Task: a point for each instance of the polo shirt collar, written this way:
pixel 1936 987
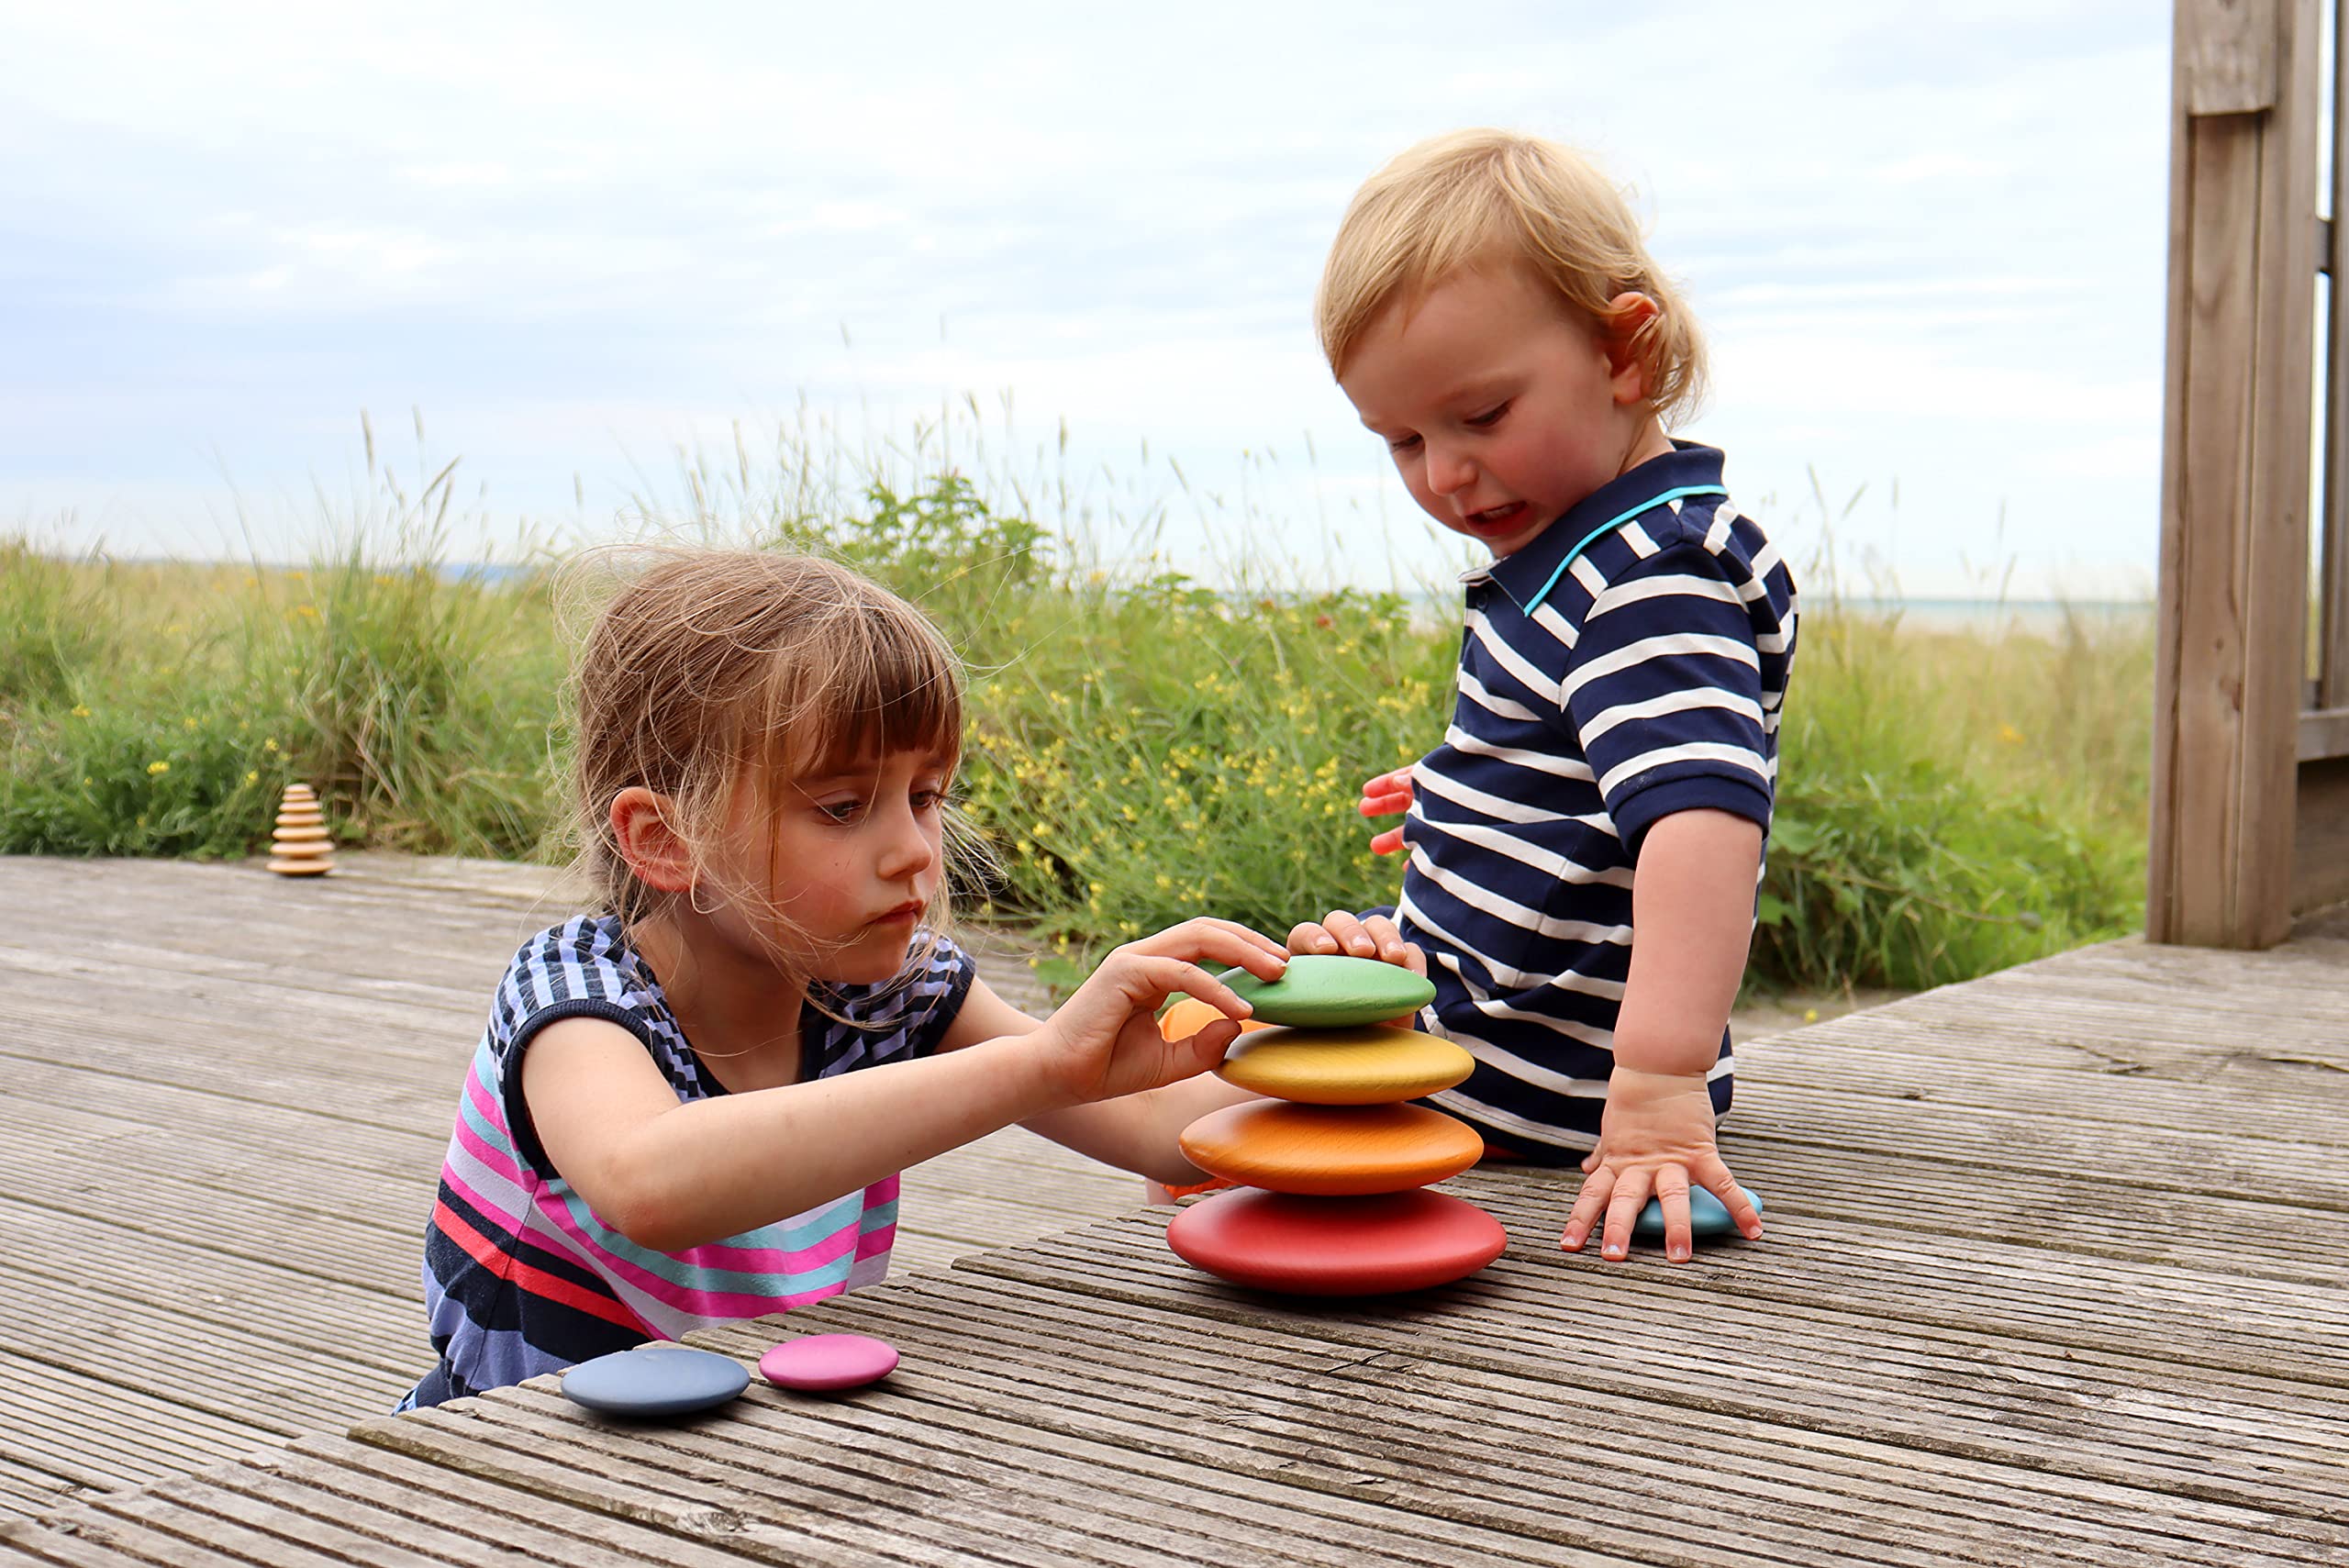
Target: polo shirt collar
pixel 1525 573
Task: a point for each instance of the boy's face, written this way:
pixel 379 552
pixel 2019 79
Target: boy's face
pixel 1501 409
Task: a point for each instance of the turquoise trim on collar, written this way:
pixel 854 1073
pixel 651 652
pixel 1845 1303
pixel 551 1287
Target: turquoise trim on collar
pixel 1608 527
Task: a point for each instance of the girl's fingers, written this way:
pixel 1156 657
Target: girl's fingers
pixel 1227 941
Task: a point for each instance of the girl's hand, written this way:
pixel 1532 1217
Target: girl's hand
pixel 1654 1138
pixel 1339 932
pixel 1103 1040
pixel 1383 796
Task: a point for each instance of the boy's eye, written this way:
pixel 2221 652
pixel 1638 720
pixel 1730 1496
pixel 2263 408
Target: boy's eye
pixel 1487 419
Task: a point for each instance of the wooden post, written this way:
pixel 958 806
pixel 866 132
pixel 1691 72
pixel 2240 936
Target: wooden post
pixel 2235 470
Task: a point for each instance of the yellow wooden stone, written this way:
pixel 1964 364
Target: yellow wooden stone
pixel 299 851
pixel 1330 1151
pixel 1361 1064
pixel 299 836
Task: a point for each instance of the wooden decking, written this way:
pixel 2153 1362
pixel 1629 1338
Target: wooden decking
pixel 2055 1274
pixel 227 1097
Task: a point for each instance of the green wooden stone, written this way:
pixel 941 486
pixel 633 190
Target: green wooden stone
pixel 1322 991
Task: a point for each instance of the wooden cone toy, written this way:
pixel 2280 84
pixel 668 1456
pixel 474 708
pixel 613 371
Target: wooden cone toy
pixel 1336 1165
pixel 300 845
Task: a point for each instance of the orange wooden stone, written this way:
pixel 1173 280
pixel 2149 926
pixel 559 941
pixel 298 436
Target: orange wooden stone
pixel 1330 1150
pixel 1188 1016
pixel 1342 1246
pixel 1362 1064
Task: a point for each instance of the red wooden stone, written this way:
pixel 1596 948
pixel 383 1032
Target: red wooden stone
pixel 1336 1246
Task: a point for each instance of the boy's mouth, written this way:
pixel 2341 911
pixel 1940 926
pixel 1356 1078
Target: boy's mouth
pixel 1496 519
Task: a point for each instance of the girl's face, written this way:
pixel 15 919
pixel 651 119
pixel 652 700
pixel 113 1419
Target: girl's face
pixel 838 867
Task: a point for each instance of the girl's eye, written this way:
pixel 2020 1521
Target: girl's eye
pixel 1486 421
pixel 1402 443
pixel 841 810
pixel 935 799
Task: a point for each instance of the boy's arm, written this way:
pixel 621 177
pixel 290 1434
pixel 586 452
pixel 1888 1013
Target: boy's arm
pixel 1692 902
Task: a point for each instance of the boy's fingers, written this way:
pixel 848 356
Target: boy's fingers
pixel 1391 948
pixel 1387 843
pixel 1354 939
pixel 1308 937
pixel 1714 1175
pixel 1623 1205
pixel 1589 1204
pixel 1671 1192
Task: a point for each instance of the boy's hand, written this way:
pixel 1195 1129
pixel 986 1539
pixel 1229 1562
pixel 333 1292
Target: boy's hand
pixel 1103 1042
pixel 1383 796
pixel 1656 1138
pixel 1339 932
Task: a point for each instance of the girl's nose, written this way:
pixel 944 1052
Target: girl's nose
pixel 908 848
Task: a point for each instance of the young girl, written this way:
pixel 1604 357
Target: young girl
pixel 692 1105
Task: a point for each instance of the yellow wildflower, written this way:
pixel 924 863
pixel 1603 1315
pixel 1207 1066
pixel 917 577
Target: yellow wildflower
pixel 153 768
pixel 81 712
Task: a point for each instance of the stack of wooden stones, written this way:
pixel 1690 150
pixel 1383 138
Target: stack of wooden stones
pixel 300 845
pixel 1334 1166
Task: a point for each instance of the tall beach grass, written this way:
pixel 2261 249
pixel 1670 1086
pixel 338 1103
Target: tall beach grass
pixel 1141 747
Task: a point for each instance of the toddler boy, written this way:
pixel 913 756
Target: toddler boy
pixel 1491 310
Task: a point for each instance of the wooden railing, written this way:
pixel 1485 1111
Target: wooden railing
pixel 2251 755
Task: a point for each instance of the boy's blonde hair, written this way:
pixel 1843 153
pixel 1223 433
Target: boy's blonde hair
pixel 710 669
pixel 1472 197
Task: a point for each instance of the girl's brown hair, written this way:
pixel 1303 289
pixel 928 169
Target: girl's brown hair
pixel 1475 197
pixel 710 669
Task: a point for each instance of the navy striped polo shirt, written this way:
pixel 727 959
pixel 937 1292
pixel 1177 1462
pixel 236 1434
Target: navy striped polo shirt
pixel 1629 663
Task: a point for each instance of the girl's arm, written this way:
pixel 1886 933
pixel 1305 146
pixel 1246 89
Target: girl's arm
pixel 1134 1132
pixel 670 1176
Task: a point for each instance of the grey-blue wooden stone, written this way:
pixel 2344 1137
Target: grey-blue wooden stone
pixel 655 1380
pixel 1706 1216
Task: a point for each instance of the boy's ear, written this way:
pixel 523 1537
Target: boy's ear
pixel 649 843
pixel 1627 314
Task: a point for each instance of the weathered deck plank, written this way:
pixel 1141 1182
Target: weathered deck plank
pixel 2055 1274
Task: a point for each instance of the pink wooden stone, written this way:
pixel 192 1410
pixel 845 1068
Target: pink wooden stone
pixel 1337 1246
pixel 821 1362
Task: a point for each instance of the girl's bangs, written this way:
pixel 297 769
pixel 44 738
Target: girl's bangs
pixel 885 687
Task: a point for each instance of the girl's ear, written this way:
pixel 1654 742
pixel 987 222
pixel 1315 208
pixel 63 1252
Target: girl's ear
pixel 649 842
pixel 1628 314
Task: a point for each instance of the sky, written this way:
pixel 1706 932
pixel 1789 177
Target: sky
pixel 1068 248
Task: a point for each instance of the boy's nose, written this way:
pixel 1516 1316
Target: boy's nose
pixel 1448 472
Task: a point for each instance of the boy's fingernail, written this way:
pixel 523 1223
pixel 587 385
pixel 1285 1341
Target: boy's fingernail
pixel 1679 1255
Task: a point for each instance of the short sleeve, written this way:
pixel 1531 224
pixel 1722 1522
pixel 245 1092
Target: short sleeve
pixel 571 971
pixel 897 1022
pixel 1665 694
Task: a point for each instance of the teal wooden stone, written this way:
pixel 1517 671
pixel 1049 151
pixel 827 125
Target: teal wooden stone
pixel 1325 991
pixel 1706 1216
